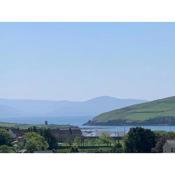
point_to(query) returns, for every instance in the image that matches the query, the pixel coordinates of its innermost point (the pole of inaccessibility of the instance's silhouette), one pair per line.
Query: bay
(79, 121)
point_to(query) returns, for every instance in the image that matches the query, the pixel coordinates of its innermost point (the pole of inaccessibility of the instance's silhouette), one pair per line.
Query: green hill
(159, 112)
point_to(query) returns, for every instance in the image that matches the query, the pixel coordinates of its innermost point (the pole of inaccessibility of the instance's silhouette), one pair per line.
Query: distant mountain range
(44, 108)
(158, 112)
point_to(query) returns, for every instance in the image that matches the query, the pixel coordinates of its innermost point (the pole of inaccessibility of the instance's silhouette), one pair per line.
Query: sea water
(78, 121)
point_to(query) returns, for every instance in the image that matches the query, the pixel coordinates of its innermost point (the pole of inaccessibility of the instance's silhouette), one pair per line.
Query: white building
(169, 146)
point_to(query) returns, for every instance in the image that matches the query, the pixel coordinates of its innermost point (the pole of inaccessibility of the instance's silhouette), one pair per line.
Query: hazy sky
(77, 61)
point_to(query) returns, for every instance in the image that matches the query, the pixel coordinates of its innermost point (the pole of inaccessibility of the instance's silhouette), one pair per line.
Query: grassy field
(141, 112)
(87, 149)
(26, 126)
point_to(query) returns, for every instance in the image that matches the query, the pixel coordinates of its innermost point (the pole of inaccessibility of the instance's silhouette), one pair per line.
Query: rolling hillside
(159, 112)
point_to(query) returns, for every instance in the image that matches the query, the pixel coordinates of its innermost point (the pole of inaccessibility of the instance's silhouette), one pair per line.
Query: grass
(26, 126)
(87, 149)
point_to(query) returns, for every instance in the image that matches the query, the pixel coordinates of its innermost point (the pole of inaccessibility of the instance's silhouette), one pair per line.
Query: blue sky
(78, 61)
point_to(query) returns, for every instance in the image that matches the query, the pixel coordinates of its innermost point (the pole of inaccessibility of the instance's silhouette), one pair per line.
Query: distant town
(46, 138)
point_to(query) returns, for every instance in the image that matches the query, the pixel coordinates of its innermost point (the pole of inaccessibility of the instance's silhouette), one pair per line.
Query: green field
(93, 149)
(26, 126)
(163, 108)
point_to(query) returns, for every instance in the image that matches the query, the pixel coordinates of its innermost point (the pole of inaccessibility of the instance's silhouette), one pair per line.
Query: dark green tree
(50, 138)
(5, 137)
(139, 140)
(33, 129)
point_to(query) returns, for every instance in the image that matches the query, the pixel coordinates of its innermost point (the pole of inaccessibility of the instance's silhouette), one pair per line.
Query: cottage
(169, 146)
(64, 134)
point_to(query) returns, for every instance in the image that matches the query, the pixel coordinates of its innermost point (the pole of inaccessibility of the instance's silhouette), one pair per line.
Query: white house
(169, 146)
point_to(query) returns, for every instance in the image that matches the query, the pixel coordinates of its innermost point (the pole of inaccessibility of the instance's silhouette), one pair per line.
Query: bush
(35, 142)
(6, 149)
(117, 148)
(105, 139)
(74, 149)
